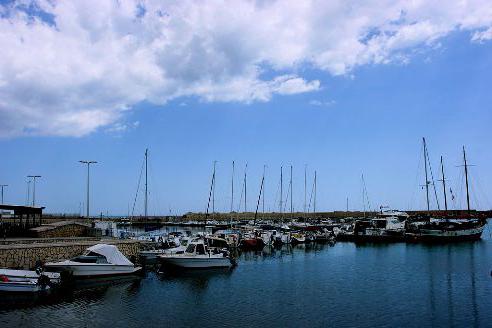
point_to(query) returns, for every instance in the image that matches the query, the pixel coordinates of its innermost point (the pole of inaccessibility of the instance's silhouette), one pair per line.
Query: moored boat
(27, 281)
(197, 255)
(100, 260)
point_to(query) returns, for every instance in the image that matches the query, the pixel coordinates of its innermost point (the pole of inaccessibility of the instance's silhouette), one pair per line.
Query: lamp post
(88, 177)
(34, 188)
(3, 186)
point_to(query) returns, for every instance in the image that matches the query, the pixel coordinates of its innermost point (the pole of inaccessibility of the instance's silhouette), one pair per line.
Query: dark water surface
(347, 285)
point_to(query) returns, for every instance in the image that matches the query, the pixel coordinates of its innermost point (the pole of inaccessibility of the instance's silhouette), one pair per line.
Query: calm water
(346, 285)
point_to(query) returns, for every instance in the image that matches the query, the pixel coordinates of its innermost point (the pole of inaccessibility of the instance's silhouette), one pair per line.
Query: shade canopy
(111, 253)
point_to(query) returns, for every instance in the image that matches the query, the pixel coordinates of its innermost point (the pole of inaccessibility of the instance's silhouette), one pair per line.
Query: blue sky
(368, 119)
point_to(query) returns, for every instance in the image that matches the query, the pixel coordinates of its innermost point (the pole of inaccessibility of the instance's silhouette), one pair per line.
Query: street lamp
(2, 186)
(88, 177)
(34, 188)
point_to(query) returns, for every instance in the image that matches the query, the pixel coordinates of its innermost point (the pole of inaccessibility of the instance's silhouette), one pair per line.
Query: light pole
(34, 188)
(88, 177)
(3, 186)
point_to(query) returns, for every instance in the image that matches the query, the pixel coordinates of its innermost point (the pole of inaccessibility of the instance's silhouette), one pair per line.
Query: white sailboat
(100, 260)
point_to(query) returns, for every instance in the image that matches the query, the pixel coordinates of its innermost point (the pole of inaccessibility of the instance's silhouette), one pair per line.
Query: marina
(309, 284)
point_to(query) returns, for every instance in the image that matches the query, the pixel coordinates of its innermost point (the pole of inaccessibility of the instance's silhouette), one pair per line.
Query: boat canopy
(111, 253)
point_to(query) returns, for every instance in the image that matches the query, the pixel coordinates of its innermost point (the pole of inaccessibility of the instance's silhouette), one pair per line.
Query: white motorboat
(153, 253)
(100, 260)
(298, 238)
(197, 255)
(27, 281)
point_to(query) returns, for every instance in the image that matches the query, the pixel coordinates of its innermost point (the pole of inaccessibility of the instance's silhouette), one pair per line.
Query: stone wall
(25, 256)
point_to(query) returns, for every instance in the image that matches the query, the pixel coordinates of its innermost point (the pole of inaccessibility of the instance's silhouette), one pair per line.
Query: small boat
(27, 281)
(251, 240)
(197, 255)
(153, 253)
(298, 238)
(100, 260)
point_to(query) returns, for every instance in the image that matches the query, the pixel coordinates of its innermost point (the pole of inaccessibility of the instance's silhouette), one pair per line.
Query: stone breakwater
(25, 256)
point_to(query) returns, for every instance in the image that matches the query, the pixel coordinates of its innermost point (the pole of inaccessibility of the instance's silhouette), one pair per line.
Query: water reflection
(82, 293)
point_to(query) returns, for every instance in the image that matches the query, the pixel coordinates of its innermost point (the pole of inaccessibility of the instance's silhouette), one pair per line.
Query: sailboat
(446, 228)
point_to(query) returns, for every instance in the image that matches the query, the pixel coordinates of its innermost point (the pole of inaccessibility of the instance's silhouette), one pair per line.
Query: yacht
(197, 255)
(100, 260)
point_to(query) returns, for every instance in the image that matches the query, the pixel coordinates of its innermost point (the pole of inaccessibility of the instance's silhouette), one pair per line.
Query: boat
(381, 229)
(251, 240)
(100, 260)
(446, 230)
(298, 238)
(446, 227)
(27, 281)
(197, 255)
(153, 253)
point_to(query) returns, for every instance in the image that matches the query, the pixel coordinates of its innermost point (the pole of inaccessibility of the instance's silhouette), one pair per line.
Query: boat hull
(22, 286)
(94, 271)
(430, 235)
(196, 263)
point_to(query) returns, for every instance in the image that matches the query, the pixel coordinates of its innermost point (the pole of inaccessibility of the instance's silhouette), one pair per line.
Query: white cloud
(70, 67)
(320, 103)
(482, 36)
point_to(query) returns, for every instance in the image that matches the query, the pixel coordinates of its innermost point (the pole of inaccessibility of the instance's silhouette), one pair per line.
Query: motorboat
(153, 253)
(298, 238)
(385, 228)
(27, 281)
(100, 260)
(197, 255)
(252, 240)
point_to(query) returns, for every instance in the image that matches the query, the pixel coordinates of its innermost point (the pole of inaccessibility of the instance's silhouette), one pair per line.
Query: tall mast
(444, 186)
(363, 195)
(245, 172)
(146, 185)
(213, 192)
(305, 187)
(263, 196)
(314, 204)
(210, 193)
(466, 179)
(426, 175)
(281, 189)
(259, 196)
(232, 186)
(291, 207)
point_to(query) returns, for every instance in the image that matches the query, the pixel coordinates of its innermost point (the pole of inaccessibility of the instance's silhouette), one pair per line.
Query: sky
(343, 88)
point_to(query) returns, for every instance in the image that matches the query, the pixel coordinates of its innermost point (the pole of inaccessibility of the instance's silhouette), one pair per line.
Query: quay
(25, 253)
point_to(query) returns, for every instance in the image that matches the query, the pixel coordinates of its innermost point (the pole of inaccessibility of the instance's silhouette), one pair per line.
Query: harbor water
(347, 285)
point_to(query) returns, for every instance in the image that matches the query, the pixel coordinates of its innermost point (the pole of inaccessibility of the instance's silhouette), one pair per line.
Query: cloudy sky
(344, 87)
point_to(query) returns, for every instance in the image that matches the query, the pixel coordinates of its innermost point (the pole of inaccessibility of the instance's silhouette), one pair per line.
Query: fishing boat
(197, 255)
(27, 281)
(381, 229)
(100, 260)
